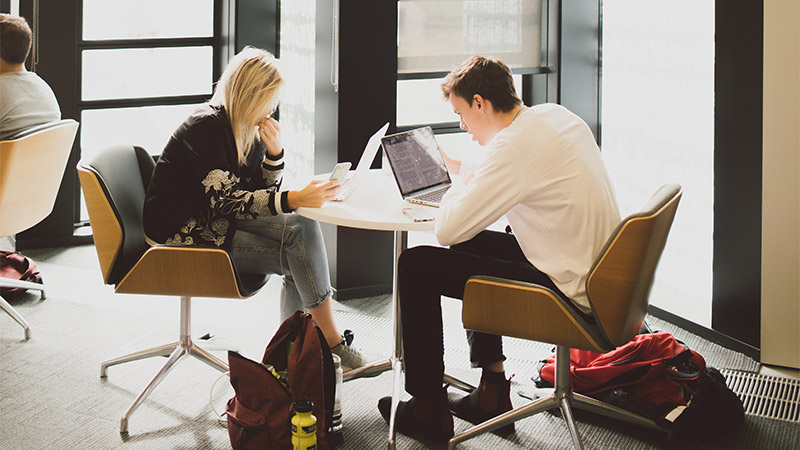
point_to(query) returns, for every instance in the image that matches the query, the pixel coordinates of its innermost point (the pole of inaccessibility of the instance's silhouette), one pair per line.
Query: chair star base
(5, 306)
(175, 351)
(560, 397)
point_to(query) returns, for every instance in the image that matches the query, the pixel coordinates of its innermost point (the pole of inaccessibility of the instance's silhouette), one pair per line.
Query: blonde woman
(218, 183)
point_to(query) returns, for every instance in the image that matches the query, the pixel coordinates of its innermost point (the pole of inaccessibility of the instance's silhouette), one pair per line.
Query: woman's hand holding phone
(314, 195)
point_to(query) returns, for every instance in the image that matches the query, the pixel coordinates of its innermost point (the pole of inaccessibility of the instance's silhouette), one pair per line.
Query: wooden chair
(31, 169)
(618, 287)
(114, 185)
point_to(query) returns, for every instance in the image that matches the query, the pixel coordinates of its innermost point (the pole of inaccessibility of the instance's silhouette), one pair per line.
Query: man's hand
(314, 194)
(453, 165)
(270, 132)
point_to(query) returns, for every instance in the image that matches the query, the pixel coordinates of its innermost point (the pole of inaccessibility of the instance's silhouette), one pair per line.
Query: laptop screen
(415, 159)
(371, 149)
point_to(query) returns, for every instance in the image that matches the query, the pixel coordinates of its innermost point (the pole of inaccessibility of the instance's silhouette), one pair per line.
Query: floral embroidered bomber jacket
(198, 189)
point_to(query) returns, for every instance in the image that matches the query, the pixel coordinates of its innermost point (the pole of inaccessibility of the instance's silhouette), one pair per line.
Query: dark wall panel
(579, 61)
(257, 24)
(361, 260)
(58, 66)
(736, 308)
(367, 98)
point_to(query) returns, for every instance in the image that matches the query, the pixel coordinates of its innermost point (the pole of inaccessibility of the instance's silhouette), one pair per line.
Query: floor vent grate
(766, 396)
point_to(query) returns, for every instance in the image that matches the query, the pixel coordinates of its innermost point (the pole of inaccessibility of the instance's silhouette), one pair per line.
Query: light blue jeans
(289, 245)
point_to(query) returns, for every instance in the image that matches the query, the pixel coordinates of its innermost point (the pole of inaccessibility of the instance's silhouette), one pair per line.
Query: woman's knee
(300, 222)
(302, 228)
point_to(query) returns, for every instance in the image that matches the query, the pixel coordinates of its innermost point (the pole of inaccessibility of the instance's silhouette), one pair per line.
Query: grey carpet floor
(52, 397)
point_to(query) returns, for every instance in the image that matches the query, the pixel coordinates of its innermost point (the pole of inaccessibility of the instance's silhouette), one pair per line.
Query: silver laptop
(350, 184)
(417, 165)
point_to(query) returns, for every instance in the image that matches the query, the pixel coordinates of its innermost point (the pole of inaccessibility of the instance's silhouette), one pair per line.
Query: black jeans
(425, 274)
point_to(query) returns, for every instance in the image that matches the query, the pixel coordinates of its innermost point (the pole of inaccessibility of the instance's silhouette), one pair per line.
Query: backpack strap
(685, 366)
(328, 377)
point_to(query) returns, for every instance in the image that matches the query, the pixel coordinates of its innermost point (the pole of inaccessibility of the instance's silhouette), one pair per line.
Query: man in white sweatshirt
(543, 171)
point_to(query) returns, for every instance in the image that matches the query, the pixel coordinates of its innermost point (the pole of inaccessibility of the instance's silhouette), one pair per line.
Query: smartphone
(418, 214)
(338, 173)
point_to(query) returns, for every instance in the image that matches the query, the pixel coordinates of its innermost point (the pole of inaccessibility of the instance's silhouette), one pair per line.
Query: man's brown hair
(15, 39)
(490, 78)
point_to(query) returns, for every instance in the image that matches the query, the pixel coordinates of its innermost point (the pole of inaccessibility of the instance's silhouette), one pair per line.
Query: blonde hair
(248, 90)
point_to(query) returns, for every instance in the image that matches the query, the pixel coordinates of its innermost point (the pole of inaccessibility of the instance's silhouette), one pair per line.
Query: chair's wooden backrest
(31, 169)
(620, 280)
(113, 183)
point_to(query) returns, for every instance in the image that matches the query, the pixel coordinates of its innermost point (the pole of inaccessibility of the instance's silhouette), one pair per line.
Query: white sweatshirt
(544, 172)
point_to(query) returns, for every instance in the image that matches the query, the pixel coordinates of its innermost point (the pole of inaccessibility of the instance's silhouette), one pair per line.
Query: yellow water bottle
(304, 425)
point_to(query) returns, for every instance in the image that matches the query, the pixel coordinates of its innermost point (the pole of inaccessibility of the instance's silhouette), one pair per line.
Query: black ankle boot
(491, 398)
(439, 429)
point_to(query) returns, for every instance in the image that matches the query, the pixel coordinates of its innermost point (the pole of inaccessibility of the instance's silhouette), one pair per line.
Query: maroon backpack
(260, 412)
(16, 266)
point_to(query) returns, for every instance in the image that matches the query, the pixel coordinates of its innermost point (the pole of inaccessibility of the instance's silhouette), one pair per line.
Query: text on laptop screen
(416, 160)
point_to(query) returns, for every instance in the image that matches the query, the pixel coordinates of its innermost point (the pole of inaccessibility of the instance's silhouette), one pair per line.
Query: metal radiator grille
(766, 396)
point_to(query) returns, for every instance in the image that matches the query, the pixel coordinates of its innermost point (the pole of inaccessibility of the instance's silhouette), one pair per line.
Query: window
(420, 101)
(147, 19)
(658, 127)
(434, 35)
(144, 67)
(144, 125)
(146, 72)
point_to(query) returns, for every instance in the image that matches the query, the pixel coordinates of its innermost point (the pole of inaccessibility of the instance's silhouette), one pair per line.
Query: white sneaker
(351, 357)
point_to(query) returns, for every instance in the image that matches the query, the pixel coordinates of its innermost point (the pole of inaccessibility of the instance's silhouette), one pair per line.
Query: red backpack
(16, 266)
(646, 364)
(658, 377)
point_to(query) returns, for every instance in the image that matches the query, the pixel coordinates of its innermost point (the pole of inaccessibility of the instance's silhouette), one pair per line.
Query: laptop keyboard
(434, 196)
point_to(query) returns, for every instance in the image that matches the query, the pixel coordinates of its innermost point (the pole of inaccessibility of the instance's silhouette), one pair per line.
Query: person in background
(26, 100)
(218, 183)
(542, 170)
